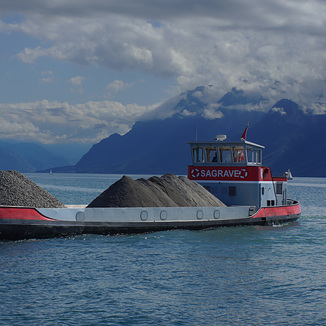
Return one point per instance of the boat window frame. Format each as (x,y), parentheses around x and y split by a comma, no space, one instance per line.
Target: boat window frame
(253,155)
(249,155)
(197,153)
(225,149)
(236,151)
(258,153)
(211,154)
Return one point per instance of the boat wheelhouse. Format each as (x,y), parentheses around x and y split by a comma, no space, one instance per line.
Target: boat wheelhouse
(234,173)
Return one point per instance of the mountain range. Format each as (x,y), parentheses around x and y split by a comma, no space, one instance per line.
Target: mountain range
(158,143)
(292,139)
(30,157)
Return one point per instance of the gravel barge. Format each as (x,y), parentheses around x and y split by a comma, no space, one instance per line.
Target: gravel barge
(231,171)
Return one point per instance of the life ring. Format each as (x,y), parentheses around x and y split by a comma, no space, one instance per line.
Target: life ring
(239,156)
(243,173)
(195,173)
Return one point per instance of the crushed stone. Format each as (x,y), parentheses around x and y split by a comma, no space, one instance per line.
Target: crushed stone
(166,191)
(18,190)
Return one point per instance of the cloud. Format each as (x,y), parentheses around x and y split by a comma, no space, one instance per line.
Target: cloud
(77,83)
(54,121)
(318,108)
(117,86)
(47,77)
(212,112)
(279,110)
(274,46)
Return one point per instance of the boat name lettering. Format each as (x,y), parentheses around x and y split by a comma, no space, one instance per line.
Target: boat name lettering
(203,173)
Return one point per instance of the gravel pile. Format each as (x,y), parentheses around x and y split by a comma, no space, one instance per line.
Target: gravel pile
(166,191)
(17,190)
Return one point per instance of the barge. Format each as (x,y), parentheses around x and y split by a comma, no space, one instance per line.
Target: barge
(231,170)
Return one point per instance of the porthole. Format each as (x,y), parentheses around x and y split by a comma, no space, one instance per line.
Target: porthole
(216,214)
(200,214)
(144,215)
(80,216)
(163,215)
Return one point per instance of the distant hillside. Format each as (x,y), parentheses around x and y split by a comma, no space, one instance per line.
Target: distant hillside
(158,143)
(156,146)
(292,139)
(11,160)
(160,146)
(31,157)
(27,157)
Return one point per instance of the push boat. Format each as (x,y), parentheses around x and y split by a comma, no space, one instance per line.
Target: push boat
(230,170)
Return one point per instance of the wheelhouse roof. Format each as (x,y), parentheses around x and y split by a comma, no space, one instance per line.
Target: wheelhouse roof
(225,143)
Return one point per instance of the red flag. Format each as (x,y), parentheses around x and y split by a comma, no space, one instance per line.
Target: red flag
(244,135)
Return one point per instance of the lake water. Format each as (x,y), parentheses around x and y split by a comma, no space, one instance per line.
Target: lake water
(227,276)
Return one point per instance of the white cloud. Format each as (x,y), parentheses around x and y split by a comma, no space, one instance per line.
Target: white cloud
(194,42)
(77,84)
(46,77)
(279,110)
(118,86)
(318,108)
(187,113)
(30,55)
(52,122)
(76,81)
(275,48)
(212,114)
(212,111)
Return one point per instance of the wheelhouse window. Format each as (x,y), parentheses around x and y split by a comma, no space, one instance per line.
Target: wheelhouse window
(198,154)
(254,156)
(250,155)
(238,154)
(258,156)
(211,154)
(225,154)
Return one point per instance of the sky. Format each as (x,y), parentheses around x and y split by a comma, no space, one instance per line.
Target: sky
(78,71)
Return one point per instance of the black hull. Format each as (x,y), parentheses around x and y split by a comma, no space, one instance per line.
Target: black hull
(25,229)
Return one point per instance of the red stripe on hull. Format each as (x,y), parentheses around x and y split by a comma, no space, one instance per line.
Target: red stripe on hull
(21,213)
(278,211)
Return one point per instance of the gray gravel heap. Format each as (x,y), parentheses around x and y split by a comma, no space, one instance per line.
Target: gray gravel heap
(18,190)
(166,191)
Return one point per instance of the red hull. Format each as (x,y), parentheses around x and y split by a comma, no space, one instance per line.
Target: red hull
(21,213)
(270,212)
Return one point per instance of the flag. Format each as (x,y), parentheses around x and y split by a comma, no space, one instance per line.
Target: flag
(244,135)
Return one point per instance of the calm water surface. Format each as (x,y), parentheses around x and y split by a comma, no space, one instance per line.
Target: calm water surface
(227,276)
